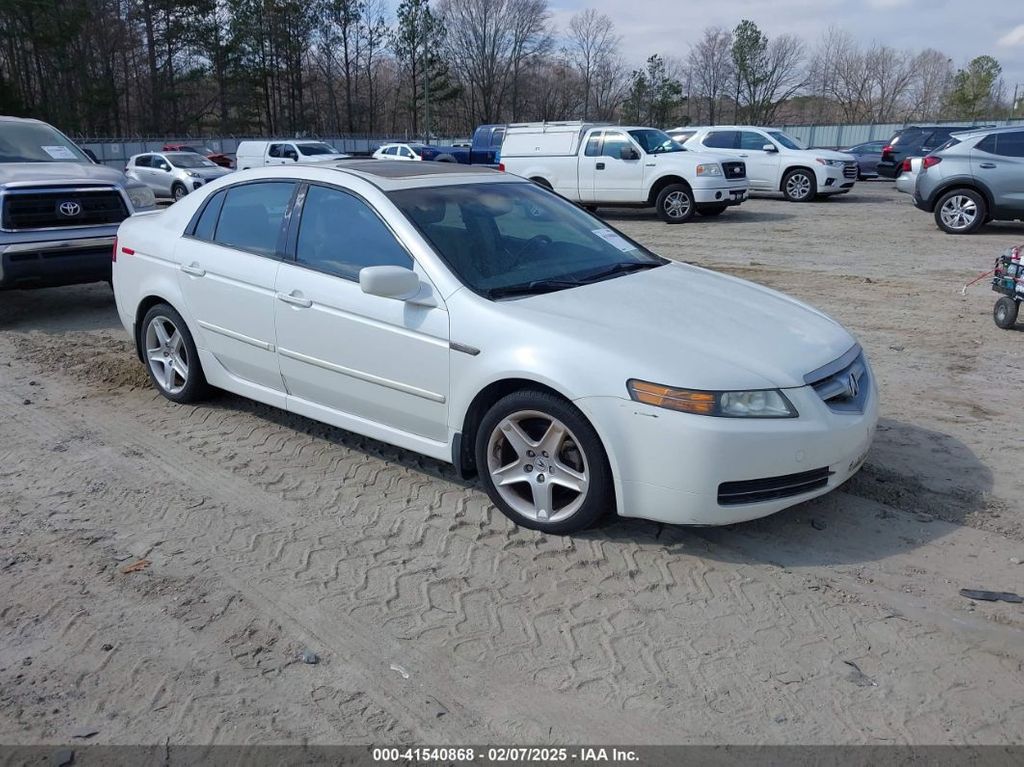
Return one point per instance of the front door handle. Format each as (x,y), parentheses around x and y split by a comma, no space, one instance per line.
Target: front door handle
(193,269)
(744,155)
(599,166)
(987,165)
(294,300)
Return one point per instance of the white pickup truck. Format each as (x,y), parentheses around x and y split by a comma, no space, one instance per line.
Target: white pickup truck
(621,166)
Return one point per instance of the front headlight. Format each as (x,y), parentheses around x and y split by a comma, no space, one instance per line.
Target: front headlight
(709,169)
(761,403)
(141,197)
(830,163)
(192,173)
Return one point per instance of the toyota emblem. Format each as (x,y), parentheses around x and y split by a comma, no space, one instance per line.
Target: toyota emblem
(69,208)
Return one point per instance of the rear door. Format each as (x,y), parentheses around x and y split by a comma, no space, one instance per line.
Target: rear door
(229,266)
(345,354)
(142,170)
(998,161)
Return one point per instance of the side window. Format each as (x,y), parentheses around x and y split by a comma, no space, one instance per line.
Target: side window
(404,151)
(931,140)
(753,141)
(142,161)
(207,223)
(1011,144)
(987,144)
(160,161)
(594,145)
(275,150)
(391,151)
(340,234)
(497,137)
(613,144)
(722,139)
(251,216)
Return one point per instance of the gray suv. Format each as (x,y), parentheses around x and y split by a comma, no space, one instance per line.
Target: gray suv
(59,210)
(977,177)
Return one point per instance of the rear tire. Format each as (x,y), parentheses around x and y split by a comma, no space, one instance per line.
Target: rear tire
(961,211)
(799,185)
(543,464)
(170,355)
(675,204)
(1005,312)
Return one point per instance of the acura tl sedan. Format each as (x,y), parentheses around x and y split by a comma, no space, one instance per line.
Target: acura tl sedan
(479,319)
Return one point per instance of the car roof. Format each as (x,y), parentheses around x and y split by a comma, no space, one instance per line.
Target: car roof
(982,130)
(388,175)
(727,127)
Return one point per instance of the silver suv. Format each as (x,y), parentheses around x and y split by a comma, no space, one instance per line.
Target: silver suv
(977,177)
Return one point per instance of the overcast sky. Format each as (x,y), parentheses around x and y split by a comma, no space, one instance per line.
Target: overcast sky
(961,29)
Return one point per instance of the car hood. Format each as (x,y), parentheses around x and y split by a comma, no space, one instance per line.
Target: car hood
(35,173)
(681,325)
(829,154)
(210,173)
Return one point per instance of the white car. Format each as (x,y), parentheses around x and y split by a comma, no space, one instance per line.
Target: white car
(399,152)
(907,180)
(777,162)
(259,154)
(479,319)
(173,174)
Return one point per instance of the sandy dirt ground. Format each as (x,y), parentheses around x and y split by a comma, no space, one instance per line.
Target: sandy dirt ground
(436,621)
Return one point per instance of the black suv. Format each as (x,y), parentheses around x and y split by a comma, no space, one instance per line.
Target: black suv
(914,141)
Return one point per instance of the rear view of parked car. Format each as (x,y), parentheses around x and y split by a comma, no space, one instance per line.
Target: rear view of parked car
(976,178)
(868,156)
(173,174)
(913,141)
(777,162)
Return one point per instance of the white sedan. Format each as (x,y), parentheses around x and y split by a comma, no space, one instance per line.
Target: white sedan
(399,152)
(479,319)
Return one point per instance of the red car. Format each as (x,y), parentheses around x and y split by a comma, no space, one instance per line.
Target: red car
(221,159)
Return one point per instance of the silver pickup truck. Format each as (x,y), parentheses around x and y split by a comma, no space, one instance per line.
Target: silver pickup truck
(59,210)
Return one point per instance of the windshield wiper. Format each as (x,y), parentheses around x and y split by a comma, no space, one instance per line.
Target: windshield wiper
(616,269)
(533,288)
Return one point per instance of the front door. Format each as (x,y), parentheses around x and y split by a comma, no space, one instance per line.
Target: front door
(762,166)
(621,179)
(998,161)
(228,272)
(365,362)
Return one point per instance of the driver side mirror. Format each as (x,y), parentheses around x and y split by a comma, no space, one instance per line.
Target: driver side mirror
(393,282)
(164,166)
(291,154)
(628,153)
(769,148)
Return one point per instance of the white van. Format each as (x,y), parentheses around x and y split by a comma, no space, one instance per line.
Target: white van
(257,154)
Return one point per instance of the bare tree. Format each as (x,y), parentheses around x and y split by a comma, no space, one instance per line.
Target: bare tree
(767,72)
(711,71)
(592,45)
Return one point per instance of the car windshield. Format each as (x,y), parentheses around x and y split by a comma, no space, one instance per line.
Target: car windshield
(317,147)
(37,142)
(786,140)
(518,239)
(655,141)
(189,160)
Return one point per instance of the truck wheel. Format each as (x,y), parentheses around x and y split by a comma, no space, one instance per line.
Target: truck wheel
(675,204)
(712,210)
(1005,312)
(799,185)
(178,191)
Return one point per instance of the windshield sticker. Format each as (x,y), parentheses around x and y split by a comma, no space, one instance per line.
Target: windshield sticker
(60,152)
(613,238)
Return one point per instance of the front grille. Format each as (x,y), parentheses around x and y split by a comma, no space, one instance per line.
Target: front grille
(56,208)
(772,488)
(844,383)
(734,169)
(850,169)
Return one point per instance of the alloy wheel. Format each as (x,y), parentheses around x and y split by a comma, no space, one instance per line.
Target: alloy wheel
(798,186)
(677,204)
(166,354)
(959,212)
(538,466)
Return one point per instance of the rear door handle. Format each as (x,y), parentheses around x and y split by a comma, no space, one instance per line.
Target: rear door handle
(987,165)
(744,155)
(294,300)
(599,166)
(193,269)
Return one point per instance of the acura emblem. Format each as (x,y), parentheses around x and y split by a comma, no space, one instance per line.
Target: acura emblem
(853,384)
(69,208)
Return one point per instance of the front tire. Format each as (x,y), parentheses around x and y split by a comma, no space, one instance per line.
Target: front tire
(178,191)
(542,463)
(799,185)
(961,211)
(170,355)
(1005,312)
(675,204)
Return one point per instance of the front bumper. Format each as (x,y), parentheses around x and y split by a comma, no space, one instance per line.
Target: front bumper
(832,180)
(669,466)
(721,194)
(60,260)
